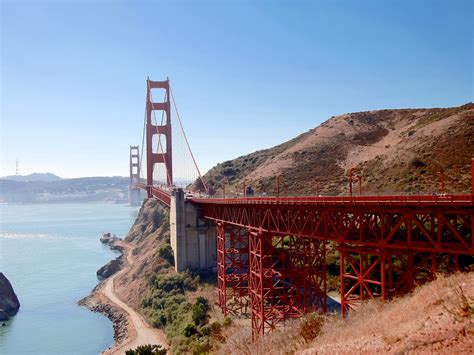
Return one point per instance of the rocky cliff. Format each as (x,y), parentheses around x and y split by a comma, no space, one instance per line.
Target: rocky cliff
(9,303)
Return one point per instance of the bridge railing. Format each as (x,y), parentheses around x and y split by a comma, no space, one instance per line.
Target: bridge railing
(163,196)
(389,200)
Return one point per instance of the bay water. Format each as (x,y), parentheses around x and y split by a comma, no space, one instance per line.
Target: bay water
(50,253)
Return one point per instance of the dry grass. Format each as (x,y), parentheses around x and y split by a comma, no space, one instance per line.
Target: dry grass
(416,319)
(437,316)
(379,144)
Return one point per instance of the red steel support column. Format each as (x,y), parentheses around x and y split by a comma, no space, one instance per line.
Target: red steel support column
(133,190)
(155,128)
(361,275)
(472,176)
(287,279)
(256,280)
(221,285)
(134,166)
(233,268)
(370,273)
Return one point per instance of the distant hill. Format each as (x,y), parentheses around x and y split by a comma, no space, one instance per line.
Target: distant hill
(89,189)
(33,177)
(395,151)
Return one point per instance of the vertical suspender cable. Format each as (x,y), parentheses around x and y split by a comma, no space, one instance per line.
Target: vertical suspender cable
(187,142)
(143,143)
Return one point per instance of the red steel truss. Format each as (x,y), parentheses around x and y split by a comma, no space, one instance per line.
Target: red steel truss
(272,251)
(367,273)
(386,248)
(233,268)
(428,227)
(287,278)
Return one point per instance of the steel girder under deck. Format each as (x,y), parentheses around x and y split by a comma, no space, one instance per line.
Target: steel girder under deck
(437,229)
(369,273)
(287,278)
(279,277)
(233,269)
(385,250)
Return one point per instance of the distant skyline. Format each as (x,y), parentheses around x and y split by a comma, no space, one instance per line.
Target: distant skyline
(247,75)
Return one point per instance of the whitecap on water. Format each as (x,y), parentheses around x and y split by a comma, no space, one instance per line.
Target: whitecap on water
(23,236)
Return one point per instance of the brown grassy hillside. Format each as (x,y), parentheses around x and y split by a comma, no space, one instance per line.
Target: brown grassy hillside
(435,318)
(149,232)
(395,151)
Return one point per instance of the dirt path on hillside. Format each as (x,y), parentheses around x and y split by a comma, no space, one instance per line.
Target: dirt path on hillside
(139,332)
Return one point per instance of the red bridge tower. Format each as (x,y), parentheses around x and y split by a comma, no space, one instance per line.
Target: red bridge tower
(163,128)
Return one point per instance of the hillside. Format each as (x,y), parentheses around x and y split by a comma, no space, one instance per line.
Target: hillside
(181,304)
(90,189)
(395,151)
(436,317)
(33,177)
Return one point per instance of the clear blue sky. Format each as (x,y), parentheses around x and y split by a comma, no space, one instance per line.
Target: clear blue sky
(246,75)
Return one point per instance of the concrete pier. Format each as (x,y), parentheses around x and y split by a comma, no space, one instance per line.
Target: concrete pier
(193,239)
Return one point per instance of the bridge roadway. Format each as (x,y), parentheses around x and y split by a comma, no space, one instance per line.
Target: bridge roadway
(271,250)
(351,219)
(409,222)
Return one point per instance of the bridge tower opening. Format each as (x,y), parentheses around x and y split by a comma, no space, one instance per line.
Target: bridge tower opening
(134,190)
(153,127)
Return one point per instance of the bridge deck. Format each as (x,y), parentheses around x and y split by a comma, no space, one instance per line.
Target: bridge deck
(389,200)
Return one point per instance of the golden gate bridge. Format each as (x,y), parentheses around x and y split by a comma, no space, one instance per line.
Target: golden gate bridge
(271,251)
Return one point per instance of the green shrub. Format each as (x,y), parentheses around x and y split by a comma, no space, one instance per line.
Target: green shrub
(189,330)
(202,346)
(206,330)
(147,349)
(227,321)
(199,315)
(166,307)
(166,252)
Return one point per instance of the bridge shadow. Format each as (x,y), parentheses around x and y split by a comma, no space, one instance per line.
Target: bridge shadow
(333,305)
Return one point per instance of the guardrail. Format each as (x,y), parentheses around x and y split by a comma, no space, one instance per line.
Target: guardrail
(389,200)
(163,196)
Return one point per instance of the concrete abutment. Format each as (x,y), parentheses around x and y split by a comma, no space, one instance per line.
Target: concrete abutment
(193,239)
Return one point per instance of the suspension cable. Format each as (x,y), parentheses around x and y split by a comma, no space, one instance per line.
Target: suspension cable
(143,143)
(187,142)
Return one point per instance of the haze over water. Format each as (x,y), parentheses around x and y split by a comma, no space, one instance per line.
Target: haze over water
(50,254)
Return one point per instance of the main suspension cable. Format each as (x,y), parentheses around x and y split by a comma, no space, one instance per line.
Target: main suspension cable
(143,143)
(187,142)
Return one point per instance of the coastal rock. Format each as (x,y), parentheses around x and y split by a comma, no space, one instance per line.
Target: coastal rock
(9,303)
(107,238)
(109,269)
(118,317)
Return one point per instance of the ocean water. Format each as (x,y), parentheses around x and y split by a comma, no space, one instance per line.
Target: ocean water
(50,253)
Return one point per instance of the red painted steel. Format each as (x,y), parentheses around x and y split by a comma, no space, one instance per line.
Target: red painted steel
(368,273)
(287,278)
(233,269)
(156,192)
(271,251)
(134,166)
(439,226)
(158,129)
(472,176)
(387,244)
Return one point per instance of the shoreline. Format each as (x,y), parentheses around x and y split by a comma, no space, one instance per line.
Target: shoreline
(115,315)
(130,328)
